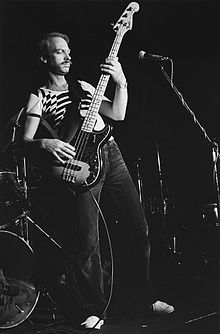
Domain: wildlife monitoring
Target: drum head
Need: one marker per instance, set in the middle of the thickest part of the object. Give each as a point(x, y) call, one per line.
point(18, 280)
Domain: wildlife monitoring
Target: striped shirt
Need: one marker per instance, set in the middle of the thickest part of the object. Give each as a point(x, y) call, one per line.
point(54, 105)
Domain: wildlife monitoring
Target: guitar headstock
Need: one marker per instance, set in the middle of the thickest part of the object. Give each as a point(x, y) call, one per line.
point(126, 20)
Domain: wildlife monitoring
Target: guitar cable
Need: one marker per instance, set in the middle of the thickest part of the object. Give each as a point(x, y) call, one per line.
point(111, 259)
point(66, 256)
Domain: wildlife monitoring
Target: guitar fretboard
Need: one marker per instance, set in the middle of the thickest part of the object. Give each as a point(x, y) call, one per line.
point(124, 23)
point(91, 116)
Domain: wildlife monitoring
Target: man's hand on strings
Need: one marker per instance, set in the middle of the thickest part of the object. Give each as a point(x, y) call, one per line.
point(61, 150)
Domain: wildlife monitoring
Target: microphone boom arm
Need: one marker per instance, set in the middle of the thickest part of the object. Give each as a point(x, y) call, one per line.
point(180, 96)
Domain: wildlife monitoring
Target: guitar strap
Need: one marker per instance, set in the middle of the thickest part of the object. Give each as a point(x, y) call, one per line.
point(49, 128)
point(71, 119)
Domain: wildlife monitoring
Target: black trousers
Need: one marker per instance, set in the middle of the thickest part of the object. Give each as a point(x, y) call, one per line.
point(73, 218)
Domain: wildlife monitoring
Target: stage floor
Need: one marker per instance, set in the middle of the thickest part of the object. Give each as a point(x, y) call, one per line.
point(197, 311)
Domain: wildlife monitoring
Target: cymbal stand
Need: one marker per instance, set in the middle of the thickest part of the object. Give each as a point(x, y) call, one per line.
point(24, 226)
point(21, 172)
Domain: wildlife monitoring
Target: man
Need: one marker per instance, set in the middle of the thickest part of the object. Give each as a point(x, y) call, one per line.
point(74, 206)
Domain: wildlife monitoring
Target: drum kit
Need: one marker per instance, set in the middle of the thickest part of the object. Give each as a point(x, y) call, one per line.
point(19, 291)
point(185, 237)
point(19, 273)
point(21, 284)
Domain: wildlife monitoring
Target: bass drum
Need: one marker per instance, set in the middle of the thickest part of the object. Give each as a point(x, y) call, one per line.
point(18, 280)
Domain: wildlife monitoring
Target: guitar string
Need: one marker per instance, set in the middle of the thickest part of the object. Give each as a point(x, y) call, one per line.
point(83, 136)
point(71, 166)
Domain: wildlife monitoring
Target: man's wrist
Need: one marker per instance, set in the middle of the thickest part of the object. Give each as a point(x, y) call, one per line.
point(122, 86)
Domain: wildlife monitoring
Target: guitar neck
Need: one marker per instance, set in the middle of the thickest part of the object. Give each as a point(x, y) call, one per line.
point(92, 113)
point(123, 24)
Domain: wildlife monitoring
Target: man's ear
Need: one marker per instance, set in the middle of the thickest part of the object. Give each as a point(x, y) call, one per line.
point(44, 60)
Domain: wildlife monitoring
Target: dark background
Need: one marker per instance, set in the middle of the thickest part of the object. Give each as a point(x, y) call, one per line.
point(186, 31)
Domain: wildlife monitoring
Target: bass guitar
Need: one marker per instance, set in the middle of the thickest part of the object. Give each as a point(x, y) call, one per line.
point(84, 169)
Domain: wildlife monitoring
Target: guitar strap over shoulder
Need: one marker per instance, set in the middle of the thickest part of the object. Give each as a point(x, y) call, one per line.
point(49, 128)
point(45, 123)
point(74, 96)
point(72, 120)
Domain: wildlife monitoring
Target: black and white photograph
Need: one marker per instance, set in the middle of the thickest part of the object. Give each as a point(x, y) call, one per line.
point(109, 166)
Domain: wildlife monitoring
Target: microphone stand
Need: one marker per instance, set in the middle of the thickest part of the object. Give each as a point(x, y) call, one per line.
point(214, 145)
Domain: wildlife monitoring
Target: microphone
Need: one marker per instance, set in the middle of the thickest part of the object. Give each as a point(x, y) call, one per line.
point(143, 55)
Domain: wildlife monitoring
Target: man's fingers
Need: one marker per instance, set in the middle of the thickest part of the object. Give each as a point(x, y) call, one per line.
point(69, 149)
point(58, 157)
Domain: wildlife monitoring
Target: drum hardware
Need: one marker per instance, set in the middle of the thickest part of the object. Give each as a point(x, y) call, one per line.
point(167, 205)
point(53, 308)
point(12, 198)
point(154, 206)
point(19, 275)
point(173, 249)
point(44, 232)
point(161, 208)
point(140, 185)
point(215, 156)
point(14, 284)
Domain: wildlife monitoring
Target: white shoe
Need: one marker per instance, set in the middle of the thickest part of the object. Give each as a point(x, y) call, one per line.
point(162, 308)
point(93, 322)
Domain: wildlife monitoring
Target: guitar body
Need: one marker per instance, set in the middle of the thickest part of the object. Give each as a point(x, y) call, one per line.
point(85, 170)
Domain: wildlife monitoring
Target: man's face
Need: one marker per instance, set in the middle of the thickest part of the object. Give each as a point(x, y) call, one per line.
point(58, 58)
